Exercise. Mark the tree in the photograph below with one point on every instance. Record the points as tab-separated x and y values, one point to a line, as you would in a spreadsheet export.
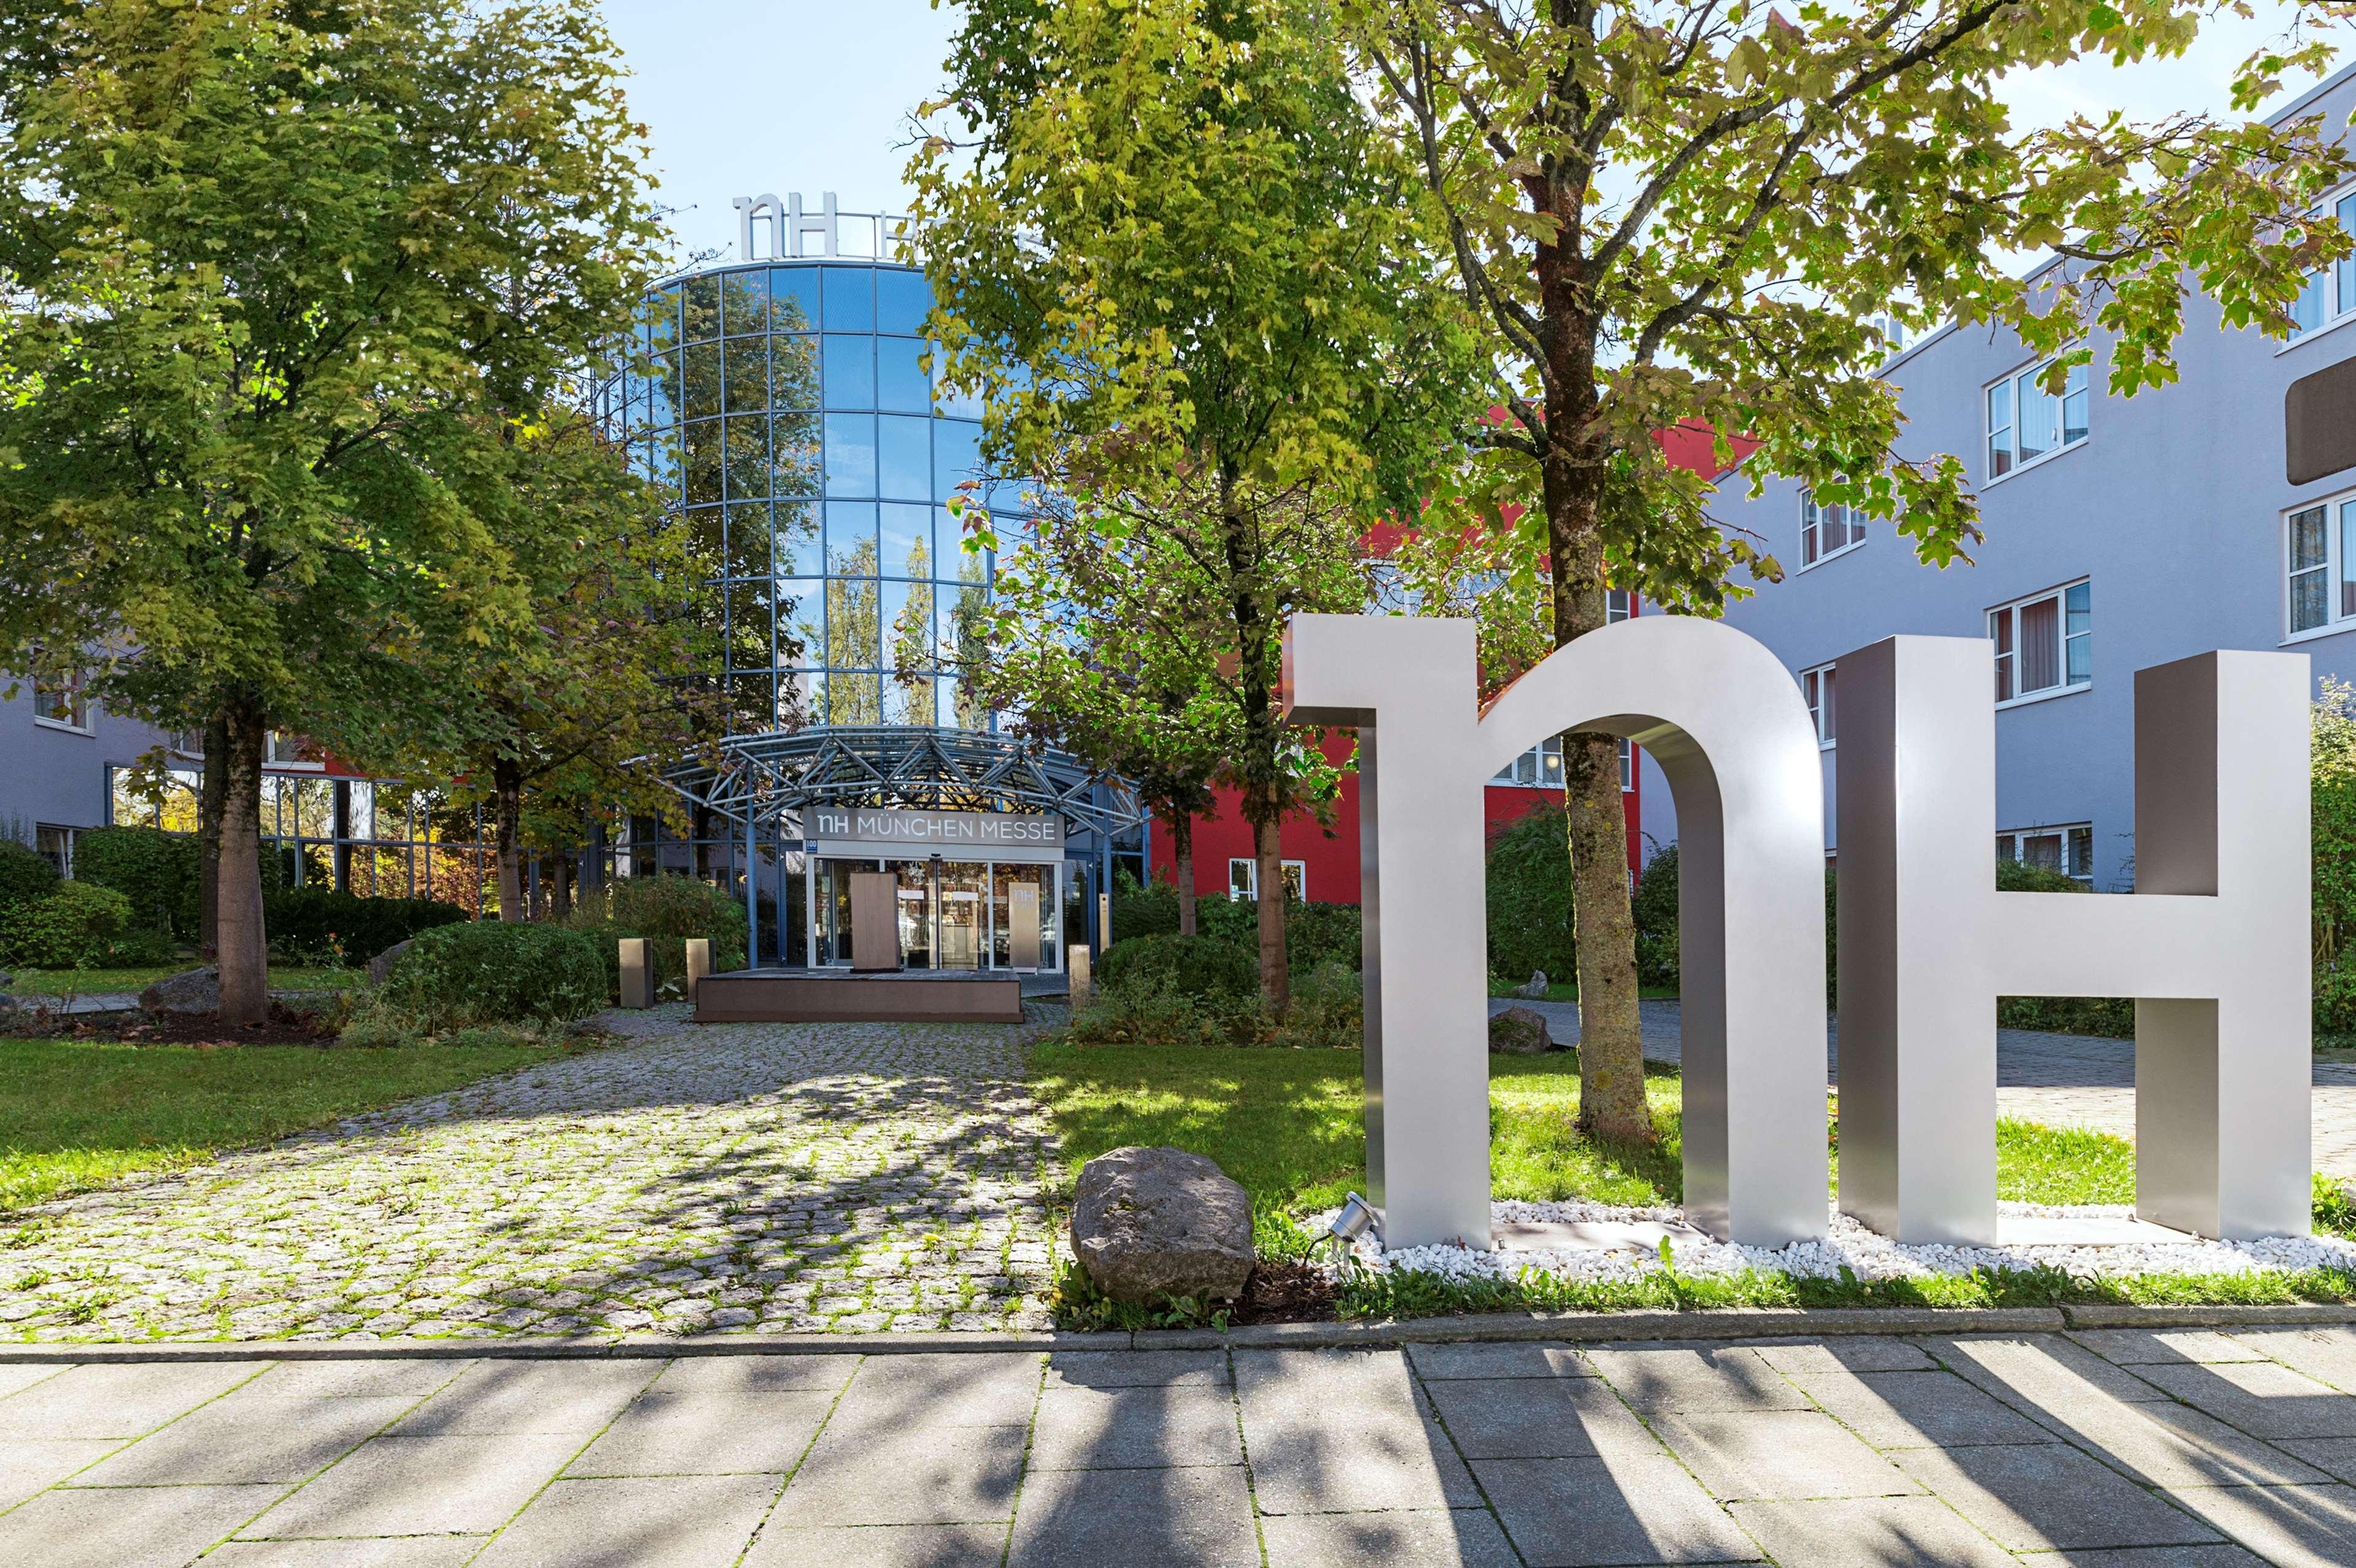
1182	274
276	274
1691	212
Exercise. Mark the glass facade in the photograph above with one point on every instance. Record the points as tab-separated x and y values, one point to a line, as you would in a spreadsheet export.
789	404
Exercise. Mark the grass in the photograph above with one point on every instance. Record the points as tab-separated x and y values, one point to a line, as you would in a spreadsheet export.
1286	1125
91	981
74	1115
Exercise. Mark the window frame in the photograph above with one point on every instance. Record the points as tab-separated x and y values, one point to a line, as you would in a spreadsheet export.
2077	844
1294	872
2012	381
77	705
2063	637
2336	285
1812	532
1817	689
2338	511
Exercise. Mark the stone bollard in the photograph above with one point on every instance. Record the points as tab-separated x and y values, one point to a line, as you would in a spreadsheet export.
637	974
699	963
1082	981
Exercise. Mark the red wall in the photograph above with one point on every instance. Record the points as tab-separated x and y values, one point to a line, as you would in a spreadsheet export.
1330	855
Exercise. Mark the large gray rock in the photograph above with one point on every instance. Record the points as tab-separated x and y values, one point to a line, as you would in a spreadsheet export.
381	966
1535	989
1149	1222
1520	1032
192	991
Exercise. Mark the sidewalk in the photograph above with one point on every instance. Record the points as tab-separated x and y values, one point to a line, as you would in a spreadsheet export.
2216	1448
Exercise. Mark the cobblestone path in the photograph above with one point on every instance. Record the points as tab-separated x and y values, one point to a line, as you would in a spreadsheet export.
770	1177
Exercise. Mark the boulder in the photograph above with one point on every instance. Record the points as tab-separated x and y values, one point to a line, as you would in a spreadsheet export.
1535	990
192	991
1149	1222
1519	1032
381	966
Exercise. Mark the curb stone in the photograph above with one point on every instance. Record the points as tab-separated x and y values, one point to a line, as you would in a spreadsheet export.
2210	1317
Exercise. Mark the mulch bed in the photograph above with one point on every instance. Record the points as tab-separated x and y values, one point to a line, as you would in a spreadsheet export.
1285	1293
286	1026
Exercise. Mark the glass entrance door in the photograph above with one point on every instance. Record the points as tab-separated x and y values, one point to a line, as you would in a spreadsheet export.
1014	949
831	925
913	904
961	884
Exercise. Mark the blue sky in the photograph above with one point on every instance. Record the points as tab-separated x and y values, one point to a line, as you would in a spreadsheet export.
751	96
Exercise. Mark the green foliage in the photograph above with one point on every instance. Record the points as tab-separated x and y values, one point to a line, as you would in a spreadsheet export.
157	871
373	1026
2332	751
25	874
1199	968
495	971
1531	920
315	925
1314	934
1655	906
666	910
74	924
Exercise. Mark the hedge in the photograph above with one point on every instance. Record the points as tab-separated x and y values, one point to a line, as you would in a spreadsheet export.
158	872
1201	968
75	925
25	875
1314	934
667	911
492	972
320	925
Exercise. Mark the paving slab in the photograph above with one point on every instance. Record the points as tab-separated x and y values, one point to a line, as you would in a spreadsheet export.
925	1474
2050	1496
2295	1527
420	1486
756	1374
1869	1532
13	1379
354	1380
2326	1355
1087	1519
1331	1431
1917	1409
675	1522
1134	1428
2041	1370
671	1433
125	1526
1694	1378
880	1546
894	1391
1778	1454
27	1465
2262	1398
1435	1363
2177	1445
523	1399
233	1440
116	1402
1537	1418
1137	1369
400	1551
1846	1353
1417	1537
1574	1513
2218	1554
2163	1346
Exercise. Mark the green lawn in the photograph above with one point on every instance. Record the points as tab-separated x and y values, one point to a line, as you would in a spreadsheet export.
74	1115
91	981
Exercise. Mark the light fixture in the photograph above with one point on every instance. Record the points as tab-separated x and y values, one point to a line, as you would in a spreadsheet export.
1354	1220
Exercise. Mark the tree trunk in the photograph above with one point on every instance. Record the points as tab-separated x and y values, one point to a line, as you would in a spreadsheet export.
1275	977
210	795
242	943
1182	845
561	887
506	785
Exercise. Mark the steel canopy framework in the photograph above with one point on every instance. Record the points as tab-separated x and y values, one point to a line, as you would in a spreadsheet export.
766	781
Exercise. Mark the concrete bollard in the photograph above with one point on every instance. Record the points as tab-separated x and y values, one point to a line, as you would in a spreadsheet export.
699	963
637	974
1083	979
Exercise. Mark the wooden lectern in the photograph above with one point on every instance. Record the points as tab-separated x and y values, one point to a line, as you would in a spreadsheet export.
874	921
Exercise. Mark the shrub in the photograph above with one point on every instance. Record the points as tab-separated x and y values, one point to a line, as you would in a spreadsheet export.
666	910
1529	896
375	1026
490	971
1200	968
1158	1015
1314	934
1656	909
1328	1011
157	871
321	925
74	926
25	875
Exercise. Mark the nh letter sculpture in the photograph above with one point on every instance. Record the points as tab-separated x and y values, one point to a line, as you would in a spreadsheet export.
1927	943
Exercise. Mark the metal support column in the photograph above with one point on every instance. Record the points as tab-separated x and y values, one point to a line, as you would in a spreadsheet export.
752	890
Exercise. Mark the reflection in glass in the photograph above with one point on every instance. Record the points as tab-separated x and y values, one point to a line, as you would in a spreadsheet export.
745	369
900	384
792	372
745	302
904	456
748	540
701	386
849	371
794	455
908	699
748	457
801	619
961	914
906	532
796	544
702	310
703	461
956	455
850	298
912	901
793	299
854	697
909	624
902	301
854	632
850	454
850	538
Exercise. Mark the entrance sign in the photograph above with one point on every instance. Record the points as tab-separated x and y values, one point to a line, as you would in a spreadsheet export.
2213	944
1726	722
953	830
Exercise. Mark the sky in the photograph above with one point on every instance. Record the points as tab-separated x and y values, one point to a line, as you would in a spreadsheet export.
748	97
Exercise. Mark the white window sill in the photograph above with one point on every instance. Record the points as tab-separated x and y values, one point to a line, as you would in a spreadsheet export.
1829	556
2037	462
294	767
2334	629
2304	339
61	726
2045	697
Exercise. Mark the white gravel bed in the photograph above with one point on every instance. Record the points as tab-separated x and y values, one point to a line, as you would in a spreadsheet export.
1850	1245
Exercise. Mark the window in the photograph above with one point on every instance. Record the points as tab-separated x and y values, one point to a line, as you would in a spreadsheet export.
55	845
2320	566
1540	768
2069	849
61	701
1618	606
2026	423
280	750
1243	879
2044	645
2329	296
1827	529
1817	686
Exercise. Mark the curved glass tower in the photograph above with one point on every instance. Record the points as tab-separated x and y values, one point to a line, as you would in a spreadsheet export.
786	401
